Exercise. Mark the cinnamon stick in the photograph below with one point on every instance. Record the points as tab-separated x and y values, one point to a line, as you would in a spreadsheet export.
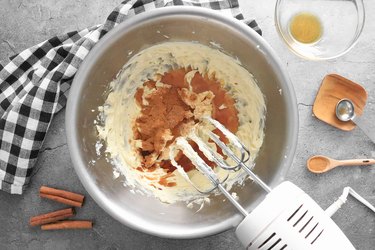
68	224
51	217
61	200
62	193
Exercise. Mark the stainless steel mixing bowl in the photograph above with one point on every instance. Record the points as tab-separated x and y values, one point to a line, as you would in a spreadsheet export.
148	214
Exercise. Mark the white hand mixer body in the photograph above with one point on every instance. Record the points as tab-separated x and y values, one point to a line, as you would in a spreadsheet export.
289	219
286	219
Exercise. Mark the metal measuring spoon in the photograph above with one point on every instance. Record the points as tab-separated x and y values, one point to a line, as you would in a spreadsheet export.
345	112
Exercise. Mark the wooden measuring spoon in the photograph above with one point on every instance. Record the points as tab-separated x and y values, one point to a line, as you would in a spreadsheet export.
319	163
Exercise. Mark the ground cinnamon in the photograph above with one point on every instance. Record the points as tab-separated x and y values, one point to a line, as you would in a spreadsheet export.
62	196
168	110
52	217
68	224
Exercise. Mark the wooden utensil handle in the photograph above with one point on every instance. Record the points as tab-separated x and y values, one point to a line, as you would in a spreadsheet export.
357	162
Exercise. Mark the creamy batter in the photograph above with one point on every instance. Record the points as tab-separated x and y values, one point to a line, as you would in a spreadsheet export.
140	152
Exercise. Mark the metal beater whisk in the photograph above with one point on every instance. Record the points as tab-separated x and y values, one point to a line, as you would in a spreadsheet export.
212	155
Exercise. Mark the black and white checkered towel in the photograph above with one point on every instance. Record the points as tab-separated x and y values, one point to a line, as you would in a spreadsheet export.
34	85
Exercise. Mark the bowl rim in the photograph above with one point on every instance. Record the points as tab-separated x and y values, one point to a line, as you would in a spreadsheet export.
77	86
360	25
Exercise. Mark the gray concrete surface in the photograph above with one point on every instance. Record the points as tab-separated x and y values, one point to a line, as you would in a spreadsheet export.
25	23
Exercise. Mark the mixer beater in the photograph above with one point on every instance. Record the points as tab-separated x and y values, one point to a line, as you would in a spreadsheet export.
286	219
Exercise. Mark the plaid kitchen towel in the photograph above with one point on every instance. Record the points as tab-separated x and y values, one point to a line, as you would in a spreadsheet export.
34	85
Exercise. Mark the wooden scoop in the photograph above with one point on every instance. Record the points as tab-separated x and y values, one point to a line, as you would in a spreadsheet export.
320	163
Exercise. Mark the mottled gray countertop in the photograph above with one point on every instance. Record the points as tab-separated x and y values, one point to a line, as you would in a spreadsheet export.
25	23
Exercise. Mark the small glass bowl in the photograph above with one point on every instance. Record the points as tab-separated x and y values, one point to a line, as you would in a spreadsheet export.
341	23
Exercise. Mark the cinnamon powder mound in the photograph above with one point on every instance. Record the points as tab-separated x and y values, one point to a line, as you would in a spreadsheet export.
171	107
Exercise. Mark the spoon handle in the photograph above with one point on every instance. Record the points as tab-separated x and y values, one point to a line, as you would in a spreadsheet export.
356	162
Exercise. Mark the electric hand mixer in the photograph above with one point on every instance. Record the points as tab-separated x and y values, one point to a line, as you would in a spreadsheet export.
286	219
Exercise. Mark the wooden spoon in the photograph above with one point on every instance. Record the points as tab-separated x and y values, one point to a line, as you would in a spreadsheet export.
320	163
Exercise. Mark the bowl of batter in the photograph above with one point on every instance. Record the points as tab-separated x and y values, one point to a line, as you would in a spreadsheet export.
152	80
